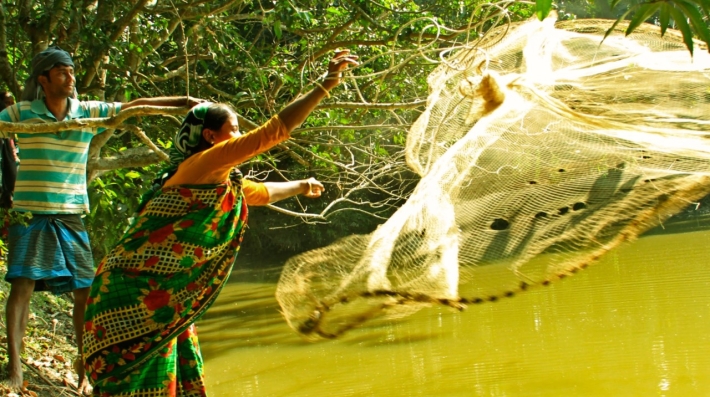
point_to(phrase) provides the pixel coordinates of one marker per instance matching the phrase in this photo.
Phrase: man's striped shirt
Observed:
(51, 178)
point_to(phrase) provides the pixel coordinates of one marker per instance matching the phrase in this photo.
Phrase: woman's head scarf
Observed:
(187, 139)
(41, 63)
(185, 144)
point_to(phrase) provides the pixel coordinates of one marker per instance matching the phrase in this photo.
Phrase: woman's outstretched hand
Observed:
(340, 62)
(313, 188)
(296, 112)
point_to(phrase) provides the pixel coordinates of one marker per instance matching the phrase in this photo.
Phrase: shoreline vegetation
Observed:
(49, 346)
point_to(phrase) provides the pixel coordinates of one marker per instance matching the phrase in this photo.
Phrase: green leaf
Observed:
(644, 12)
(613, 26)
(133, 175)
(665, 17)
(696, 19)
(683, 26)
(304, 16)
(277, 29)
(614, 3)
(543, 8)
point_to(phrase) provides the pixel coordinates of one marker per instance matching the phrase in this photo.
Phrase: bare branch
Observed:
(144, 138)
(105, 122)
(133, 157)
(295, 214)
(194, 57)
(243, 17)
(197, 13)
(352, 127)
(372, 106)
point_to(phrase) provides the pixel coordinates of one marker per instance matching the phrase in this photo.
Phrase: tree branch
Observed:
(117, 30)
(105, 122)
(196, 13)
(294, 213)
(373, 106)
(133, 157)
(351, 127)
(56, 15)
(144, 138)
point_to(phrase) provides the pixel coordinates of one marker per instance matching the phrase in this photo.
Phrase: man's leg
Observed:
(17, 313)
(80, 297)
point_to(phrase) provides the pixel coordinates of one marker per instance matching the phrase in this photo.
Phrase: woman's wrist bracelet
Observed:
(327, 94)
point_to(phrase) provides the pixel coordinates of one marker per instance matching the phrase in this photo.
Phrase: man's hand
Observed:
(191, 102)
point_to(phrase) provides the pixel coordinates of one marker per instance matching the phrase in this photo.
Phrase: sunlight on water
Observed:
(636, 324)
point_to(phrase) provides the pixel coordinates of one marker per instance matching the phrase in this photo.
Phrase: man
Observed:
(6, 99)
(52, 252)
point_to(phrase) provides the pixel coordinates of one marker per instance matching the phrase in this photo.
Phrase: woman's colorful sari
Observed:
(139, 338)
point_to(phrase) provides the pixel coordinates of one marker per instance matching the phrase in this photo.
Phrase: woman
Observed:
(170, 265)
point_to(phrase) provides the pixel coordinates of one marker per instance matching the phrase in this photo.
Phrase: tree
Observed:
(256, 56)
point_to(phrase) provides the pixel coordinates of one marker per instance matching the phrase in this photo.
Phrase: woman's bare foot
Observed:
(85, 388)
(83, 384)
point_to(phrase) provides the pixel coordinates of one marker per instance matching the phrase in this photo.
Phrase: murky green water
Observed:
(636, 324)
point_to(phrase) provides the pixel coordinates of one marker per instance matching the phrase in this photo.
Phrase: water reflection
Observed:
(636, 324)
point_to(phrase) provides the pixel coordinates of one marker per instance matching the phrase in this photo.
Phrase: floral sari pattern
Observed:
(167, 270)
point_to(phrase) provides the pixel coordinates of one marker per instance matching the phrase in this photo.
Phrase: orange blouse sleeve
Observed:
(255, 193)
(213, 165)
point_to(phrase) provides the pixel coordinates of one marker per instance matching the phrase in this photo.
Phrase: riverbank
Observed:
(50, 346)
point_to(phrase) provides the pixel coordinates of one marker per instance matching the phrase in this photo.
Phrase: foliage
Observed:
(114, 196)
(688, 16)
(10, 218)
(258, 56)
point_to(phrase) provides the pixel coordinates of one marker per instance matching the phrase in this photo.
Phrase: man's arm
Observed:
(181, 101)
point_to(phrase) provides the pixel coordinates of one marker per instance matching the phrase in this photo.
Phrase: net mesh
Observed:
(540, 149)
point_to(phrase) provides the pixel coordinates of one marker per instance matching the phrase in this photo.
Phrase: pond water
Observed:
(635, 324)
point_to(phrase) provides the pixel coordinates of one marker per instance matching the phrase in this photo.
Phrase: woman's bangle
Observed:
(327, 94)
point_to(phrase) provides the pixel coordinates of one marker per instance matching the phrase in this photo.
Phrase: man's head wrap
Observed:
(187, 139)
(41, 63)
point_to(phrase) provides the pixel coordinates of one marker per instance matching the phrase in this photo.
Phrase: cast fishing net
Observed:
(540, 149)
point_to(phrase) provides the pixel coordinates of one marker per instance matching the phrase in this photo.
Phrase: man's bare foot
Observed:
(14, 375)
(83, 384)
